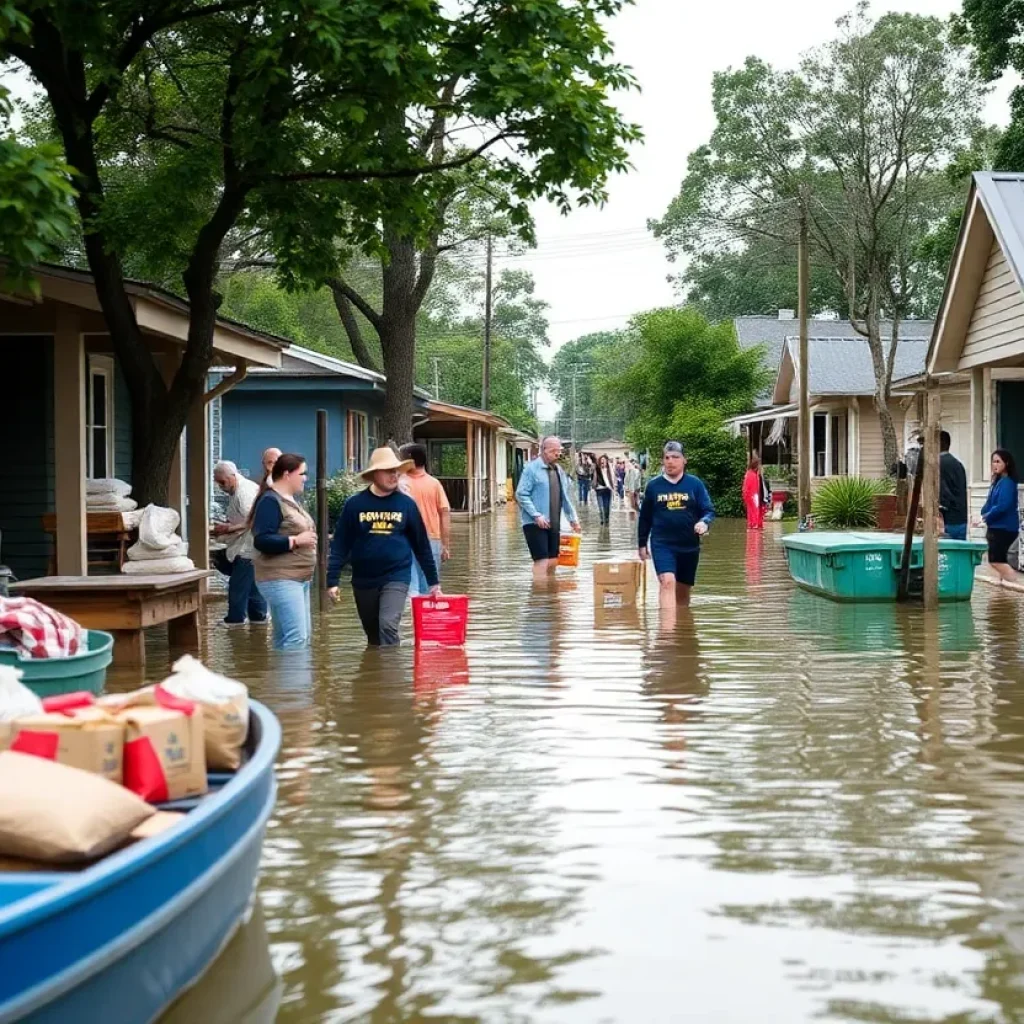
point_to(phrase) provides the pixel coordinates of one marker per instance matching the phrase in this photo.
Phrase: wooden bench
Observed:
(126, 606)
(105, 534)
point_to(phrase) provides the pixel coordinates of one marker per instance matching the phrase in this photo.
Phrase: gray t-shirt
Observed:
(555, 491)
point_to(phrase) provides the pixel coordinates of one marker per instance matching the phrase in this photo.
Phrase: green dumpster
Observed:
(50, 677)
(865, 566)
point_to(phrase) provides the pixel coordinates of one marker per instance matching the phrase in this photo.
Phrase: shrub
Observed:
(340, 488)
(847, 502)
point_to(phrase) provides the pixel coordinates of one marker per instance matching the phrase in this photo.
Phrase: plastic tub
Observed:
(569, 550)
(440, 621)
(49, 677)
(865, 566)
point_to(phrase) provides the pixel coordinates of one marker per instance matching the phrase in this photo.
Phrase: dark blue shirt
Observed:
(378, 537)
(1000, 511)
(266, 525)
(671, 511)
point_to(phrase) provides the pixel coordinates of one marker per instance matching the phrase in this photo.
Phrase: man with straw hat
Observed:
(378, 533)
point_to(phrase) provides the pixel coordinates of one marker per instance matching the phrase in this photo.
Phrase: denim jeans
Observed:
(380, 611)
(584, 489)
(418, 583)
(604, 504)
(956, 531)
(244, 597)
(289, 610)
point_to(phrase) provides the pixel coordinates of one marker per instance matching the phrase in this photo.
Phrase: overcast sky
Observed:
(597, 267)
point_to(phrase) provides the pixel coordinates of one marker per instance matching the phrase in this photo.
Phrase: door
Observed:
(1010, 418)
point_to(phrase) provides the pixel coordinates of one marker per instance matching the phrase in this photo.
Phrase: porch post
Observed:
(69, 462)
(976, 468)
(197, 456)
(470, 470)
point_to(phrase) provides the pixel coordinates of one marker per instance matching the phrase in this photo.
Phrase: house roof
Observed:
(994, 211)
(772, 332)
(448, 411)
(843, 366)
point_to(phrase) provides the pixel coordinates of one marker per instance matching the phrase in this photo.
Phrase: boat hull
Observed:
(117, 943)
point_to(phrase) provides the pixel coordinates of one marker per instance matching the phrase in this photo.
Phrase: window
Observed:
(830, 444)
(820, 448)
(355, 441)
(99, 417)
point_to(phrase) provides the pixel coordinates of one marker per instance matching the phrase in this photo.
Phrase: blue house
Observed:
(276, 408)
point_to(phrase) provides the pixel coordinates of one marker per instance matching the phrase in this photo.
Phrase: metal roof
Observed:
(843, 366)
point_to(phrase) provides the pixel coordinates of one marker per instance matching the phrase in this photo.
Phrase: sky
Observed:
(596, 268)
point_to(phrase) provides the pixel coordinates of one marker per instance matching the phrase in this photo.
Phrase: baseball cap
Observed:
(673, 448)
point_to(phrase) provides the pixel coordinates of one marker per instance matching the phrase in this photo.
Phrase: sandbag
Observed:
(225, 704)
(158, 527)
(109, 503)
(107, 485)
(88, 738)
(50, 812)
(140, 552)
(158, 567)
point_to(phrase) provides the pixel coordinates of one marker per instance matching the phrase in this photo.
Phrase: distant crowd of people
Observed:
(599, 475)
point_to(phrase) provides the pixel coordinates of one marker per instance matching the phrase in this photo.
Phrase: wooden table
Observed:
(105, 533)
(127, 605)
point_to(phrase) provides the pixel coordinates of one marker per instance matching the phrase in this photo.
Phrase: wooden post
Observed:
(470, 482)
(930, 493)
(321, 506)
(197, 469)
(903, 588)
(805, 449)
(69, 446)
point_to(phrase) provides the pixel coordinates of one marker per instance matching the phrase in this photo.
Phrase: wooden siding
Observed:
(26, 414)
(996, 329)
(122, 427)
(872, 458)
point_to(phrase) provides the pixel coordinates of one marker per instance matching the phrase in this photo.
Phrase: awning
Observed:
(772, 412)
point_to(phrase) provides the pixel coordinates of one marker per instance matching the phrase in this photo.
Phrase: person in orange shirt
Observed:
(435, 511)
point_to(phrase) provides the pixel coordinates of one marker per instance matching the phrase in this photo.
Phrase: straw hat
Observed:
(385, 458)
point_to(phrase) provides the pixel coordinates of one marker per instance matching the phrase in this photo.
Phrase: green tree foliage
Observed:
(579, 405)
(683, 378)
(194, 126)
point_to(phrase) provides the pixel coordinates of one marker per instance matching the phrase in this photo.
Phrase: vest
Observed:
(298, 564)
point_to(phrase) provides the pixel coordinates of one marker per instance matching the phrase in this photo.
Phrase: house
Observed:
(612, 448)
(976, 356)
(67, 416)
(515, 449)
(845, 432)
(277, 407)
(462, 452)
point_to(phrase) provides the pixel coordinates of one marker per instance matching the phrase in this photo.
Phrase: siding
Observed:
(872, 458)
(997, 323)
(26, 414)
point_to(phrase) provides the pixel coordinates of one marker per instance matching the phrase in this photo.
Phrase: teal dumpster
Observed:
(865, 566)
(50, 677)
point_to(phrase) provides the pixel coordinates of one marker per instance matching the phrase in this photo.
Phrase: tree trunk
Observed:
(398, 342)
(881, 363)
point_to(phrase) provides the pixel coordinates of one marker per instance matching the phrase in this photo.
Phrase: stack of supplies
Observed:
(159, 550)
(109, 495)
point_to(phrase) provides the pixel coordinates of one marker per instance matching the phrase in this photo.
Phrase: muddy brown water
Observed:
(771, 808)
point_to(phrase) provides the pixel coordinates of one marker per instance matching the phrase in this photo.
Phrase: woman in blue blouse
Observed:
(1000, 512)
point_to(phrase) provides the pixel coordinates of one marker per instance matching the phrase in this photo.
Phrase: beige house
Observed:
(976, 356)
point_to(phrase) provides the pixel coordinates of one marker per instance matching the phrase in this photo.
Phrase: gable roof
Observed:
(994, 211)
(772, 332)
(842, 366)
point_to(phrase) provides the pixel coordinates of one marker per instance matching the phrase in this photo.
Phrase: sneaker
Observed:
(232, 623)
(260, 622)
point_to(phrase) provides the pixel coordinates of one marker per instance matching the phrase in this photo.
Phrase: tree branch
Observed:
(336, 284)
(343, 305)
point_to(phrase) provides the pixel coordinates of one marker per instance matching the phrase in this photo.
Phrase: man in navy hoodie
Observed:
(378, 532)
(675, 514)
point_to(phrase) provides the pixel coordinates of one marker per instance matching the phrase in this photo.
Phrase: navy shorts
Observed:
(682, 564)
(543, 544)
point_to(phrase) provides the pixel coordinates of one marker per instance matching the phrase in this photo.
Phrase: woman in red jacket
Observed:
(754, 496)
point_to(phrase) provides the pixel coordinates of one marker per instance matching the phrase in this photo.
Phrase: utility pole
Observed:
(805, 450)
(485, 401)
(437, 379)
(572, 430)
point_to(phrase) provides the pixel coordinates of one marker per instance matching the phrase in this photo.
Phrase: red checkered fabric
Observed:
(37, 631)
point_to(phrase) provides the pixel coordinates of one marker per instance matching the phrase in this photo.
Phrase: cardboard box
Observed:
(617, 582)
(164, 752)
(87, 738)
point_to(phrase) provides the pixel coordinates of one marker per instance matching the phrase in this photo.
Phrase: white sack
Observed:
(158, 527)
(158, 567)
(108, 485)
(140, 552)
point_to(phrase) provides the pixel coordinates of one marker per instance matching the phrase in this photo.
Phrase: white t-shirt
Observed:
(240, 544)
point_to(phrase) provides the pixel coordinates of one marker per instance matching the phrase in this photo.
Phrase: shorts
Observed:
(682, 564)
(999, 542)
(543, 544)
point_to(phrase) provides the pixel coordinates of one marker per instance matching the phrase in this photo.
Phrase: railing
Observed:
(457, 489)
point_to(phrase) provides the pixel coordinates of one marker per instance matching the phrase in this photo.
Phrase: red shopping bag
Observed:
(440, 620)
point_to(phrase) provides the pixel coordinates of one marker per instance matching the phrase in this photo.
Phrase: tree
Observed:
(209, 121)
(572, 377)
(854, 145)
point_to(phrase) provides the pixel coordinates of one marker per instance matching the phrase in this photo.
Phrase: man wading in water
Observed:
(543, 495)
(675, 514)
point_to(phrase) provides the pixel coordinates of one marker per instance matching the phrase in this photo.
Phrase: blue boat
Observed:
(117, 942)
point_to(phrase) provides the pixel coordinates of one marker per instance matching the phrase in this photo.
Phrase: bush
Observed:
(847, 502)
(340, 488)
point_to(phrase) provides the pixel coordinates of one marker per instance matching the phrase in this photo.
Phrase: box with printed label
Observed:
(87, 738)
(164, 752)
(617, 583)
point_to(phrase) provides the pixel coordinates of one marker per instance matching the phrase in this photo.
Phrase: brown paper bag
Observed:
(164, 755)
(88, 738)
(50, 812)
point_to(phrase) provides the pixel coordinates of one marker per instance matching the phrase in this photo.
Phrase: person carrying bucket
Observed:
(543, 495)
(378, 533)
(675, 514)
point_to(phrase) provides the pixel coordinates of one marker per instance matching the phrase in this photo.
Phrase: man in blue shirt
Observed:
(543, 495)
(675, 514)
(378, 532)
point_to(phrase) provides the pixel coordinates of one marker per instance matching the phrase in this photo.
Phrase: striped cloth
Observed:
(37, 631)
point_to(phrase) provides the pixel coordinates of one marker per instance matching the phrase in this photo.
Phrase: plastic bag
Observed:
(158, 527)
(225, 704)
(16, 699)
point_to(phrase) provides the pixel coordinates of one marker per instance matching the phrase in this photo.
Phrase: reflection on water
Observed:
(765, 807)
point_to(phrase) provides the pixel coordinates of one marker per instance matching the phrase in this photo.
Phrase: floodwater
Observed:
(772, 808)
